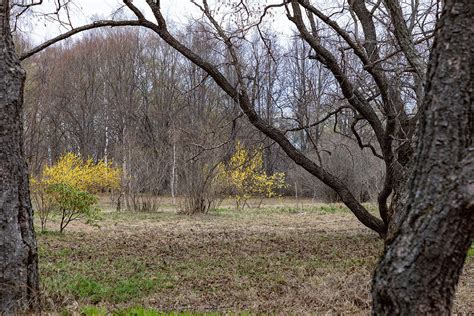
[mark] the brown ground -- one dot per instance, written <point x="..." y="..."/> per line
<point x="280" y="259"/>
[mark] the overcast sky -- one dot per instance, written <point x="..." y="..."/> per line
<point x="84" y="11"/>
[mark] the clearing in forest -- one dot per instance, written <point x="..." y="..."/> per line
<point x="282" y="258"/>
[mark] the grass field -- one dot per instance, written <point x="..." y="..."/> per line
<point x="284" y="258"/>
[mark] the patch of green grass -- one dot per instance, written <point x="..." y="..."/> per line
<point x="220" y="211"/>
<point x="66" y="252"/>
<point x="264" y="211"/>
<point x="230" y="212"/>
<point x="331" y="208"/>
<point x="470" y="252"/>
<point x="320" y="209"/>
<point x="235" y="214"/>
<point x="93" y="311"/>
<point x="95" y="279"/>
<point x="95" y="290"/>
<point x="84" y="287"/>
<point x="139" y="311"/>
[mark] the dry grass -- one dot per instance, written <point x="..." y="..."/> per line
<point x="281" y="259"/>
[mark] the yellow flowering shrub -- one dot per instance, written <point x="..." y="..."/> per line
<point x="246" y="177"/>
<point x="70" y="187"/>
<point x="86" y="175"/>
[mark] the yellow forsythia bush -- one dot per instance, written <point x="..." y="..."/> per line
<point x="69" y="187"/>
<point x="247" y="178"/>
<point x="86" y="175"/>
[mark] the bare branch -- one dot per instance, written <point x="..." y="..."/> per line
<point x="404" y="38"/>
<point x="317" y="122"/>
<point x="94" y="25"/>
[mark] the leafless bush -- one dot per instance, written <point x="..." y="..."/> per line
<point x="201" y="188"/>
<point x="42" y="204"/>
<point x="362" y="172"/>
<point x="140" y="202"/>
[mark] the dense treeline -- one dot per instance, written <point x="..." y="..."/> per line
<point x="125" y="96"/>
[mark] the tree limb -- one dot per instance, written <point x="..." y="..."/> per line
<point x="94" y="25"/>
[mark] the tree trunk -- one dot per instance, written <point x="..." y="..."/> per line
<point x="18" y="253"/>
<point x="424" y="256"/>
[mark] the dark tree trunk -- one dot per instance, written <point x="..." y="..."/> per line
<point x="425" y="255"/>
<point x="18" y="253"/>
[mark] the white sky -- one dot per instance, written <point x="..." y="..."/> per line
<point x="84" y="11"/>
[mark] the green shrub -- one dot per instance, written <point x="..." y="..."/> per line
<point x="73" y="204"/>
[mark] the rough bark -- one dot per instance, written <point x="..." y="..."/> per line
<point x="424" y="257"/>
<point x="18" y="252"/>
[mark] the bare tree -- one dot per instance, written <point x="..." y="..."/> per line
<point x="378" y="71"/>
